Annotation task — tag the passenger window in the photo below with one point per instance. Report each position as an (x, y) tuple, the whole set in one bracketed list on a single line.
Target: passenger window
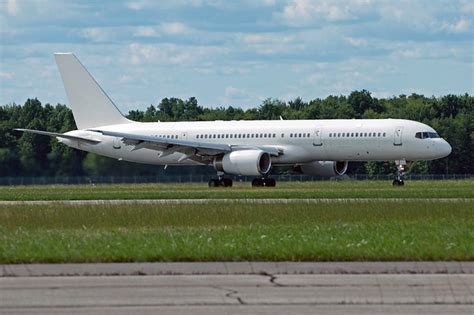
[(338, 135), (384, 134), (379, 134), (274, 135), (282, 135)]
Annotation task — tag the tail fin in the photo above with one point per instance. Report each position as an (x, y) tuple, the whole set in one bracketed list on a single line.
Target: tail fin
[(90, 105)]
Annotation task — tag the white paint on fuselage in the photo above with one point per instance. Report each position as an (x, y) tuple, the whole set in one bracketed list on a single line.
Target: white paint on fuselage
[(319, 140)]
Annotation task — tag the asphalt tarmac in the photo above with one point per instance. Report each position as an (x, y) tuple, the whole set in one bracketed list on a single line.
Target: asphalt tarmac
[(239, 288)]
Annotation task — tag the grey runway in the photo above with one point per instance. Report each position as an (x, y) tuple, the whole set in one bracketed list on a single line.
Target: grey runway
[(239, 288), (240, 294), (229, 201)]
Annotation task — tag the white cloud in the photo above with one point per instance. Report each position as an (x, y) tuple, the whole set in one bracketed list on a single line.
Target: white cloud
[(135, 5), (357, 42), (174, 28), (125, 78), (269, 2), (301, 12), (233, 91), (12, 7), (316, 78), (460, 26), (95, 34), (268, 43), (7, 75), (144, 31), (172, 54)]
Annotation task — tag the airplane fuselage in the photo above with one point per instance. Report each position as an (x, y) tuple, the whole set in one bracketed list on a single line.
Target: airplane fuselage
[(299, 141)]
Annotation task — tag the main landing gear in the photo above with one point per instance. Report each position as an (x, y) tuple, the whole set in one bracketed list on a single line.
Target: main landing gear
[(398, 181), (264, 182), (220, 182)]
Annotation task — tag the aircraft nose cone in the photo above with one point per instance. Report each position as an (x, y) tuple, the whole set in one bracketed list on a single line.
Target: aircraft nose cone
[(446, 148)]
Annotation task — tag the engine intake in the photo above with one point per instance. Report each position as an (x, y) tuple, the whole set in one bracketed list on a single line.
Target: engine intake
[(244, 162), (324, 168)]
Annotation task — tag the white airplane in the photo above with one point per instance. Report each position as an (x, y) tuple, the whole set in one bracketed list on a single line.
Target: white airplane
[(251, 148)]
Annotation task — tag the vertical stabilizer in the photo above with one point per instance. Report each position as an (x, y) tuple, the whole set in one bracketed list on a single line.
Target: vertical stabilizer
[(90, 105)]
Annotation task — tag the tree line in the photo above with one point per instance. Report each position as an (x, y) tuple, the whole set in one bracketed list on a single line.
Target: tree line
[(33, 155)]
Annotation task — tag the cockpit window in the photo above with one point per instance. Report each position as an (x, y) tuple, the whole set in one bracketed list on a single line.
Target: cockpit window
[(426, 135)]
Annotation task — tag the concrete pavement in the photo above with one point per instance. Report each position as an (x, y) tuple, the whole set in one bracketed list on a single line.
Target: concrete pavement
[(237, 294), (239, 288)]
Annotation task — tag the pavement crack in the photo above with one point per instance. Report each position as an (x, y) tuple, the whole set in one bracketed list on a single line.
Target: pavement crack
[(232, 294), (272, 279)]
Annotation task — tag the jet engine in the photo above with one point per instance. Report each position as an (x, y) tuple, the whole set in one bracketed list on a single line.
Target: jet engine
[(244, 162), (324, 168)]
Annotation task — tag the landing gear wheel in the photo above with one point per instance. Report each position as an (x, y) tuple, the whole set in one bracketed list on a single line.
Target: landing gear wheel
[(263, 182), (213, 183), (221, 182), (398, 182), (226, 182), (269, 182)]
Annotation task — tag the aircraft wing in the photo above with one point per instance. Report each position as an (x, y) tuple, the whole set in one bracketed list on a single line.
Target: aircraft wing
[(59, 135), (191, 149)]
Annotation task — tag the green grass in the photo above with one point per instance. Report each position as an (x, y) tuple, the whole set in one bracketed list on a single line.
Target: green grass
[(323, 189), (412, 230)]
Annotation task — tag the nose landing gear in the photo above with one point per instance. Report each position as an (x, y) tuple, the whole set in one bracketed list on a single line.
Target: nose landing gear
[(264, 182), (398, 181)]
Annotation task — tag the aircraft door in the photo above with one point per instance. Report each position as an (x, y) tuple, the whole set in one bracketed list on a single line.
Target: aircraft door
[(317, 137), (397, 136)]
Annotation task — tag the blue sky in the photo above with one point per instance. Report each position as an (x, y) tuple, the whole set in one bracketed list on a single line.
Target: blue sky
[(238, 52)]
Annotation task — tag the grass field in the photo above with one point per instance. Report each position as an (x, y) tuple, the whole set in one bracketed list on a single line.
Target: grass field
[(378, 230), (414, 230), (323, 189)]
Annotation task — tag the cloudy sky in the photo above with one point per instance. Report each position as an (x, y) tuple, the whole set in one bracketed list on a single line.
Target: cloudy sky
[(238, 52)]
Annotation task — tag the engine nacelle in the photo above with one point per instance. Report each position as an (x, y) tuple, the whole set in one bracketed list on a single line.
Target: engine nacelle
[(324, 168), (244, 162)]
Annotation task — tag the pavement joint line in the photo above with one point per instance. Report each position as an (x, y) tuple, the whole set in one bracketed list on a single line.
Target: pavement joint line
[(227, 200), (269, 269)]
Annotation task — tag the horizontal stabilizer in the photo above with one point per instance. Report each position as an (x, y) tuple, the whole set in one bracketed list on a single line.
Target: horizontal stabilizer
[(59, 135)]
